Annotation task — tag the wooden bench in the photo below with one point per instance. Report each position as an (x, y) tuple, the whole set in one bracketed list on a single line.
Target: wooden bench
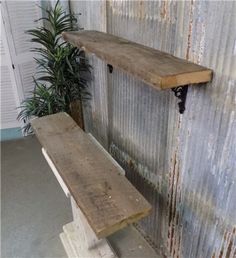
[(103, 200)]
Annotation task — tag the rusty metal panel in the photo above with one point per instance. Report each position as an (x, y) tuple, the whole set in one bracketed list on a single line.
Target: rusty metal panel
[(185, 165)]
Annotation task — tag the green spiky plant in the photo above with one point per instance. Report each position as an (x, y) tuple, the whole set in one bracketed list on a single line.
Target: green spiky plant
[(63, 71)]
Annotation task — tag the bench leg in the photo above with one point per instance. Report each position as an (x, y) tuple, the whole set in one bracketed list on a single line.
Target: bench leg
[(79, 240)]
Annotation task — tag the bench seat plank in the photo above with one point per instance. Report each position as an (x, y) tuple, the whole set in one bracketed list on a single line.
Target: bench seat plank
[(106, 198)]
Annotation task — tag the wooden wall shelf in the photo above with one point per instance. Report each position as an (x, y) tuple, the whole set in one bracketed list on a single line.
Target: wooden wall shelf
[(156, 68)]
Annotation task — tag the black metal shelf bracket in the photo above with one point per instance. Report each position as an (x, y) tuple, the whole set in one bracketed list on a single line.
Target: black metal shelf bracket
[(110, 68), (181, 93)]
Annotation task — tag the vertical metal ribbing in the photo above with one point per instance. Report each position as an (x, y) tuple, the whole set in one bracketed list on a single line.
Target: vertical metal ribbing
[(184, 165)]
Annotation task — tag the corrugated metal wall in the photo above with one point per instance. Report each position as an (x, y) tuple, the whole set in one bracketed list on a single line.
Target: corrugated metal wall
[(185, 165)]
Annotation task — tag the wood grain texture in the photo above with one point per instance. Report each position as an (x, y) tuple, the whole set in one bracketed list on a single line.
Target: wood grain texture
[(159, 69), (106, 198)]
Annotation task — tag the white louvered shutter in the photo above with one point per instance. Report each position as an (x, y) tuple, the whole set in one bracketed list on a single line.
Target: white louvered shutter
[(9, 101), (19, 16)]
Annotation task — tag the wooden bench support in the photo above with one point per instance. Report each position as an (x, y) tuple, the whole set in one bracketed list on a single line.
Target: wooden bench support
[(78, 238)]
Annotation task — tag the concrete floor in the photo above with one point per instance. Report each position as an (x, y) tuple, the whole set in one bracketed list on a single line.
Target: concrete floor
[(34, 208)]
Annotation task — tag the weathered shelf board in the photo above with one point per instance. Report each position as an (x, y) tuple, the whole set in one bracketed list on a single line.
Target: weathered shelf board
[(159, 69), (105, 196)]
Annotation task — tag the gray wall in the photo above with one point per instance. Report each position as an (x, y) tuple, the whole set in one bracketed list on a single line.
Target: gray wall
[(185, 165)]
